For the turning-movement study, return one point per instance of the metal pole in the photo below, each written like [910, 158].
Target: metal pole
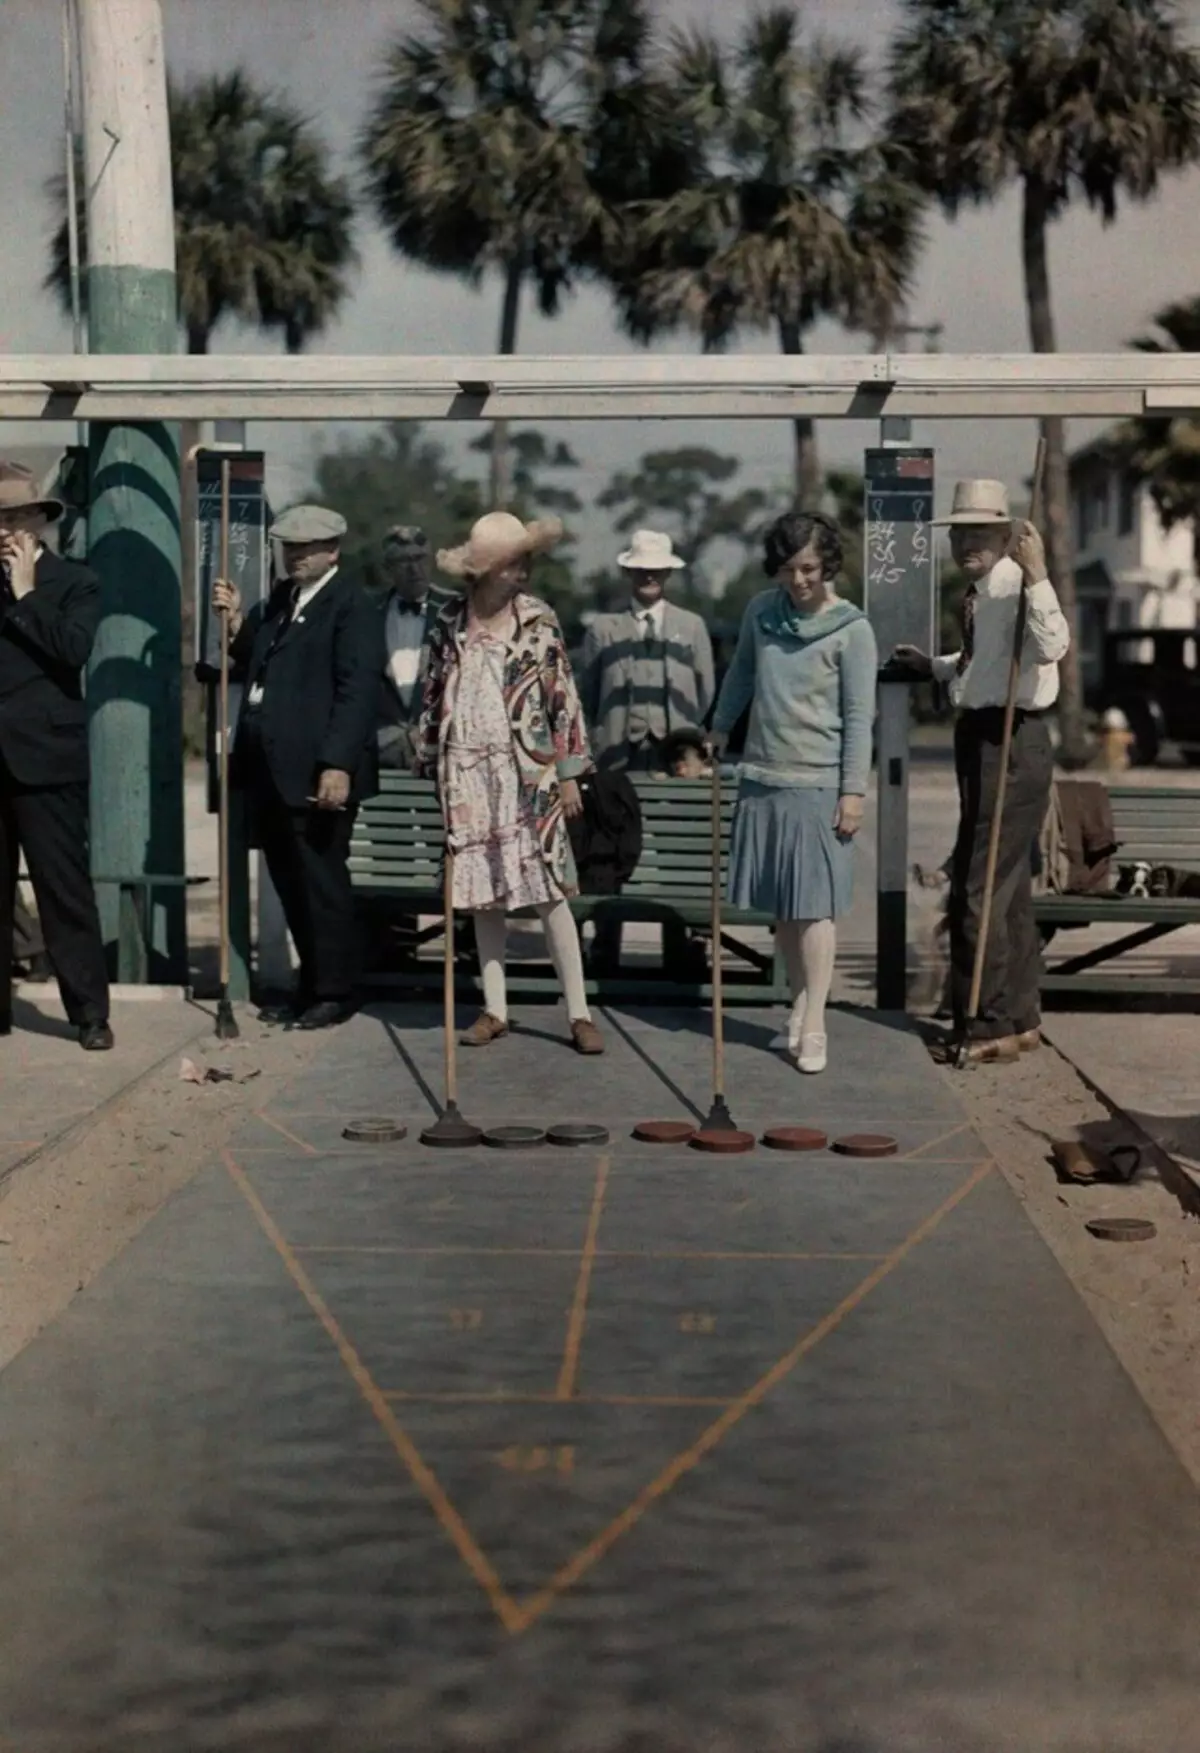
[133, 523]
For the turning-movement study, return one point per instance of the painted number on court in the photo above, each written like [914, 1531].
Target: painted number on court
[697, 1323]
[519, 1459]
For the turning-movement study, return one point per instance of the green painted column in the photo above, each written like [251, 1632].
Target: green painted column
[134, 675]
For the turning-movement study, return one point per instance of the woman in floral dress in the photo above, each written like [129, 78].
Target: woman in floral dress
[502, 732]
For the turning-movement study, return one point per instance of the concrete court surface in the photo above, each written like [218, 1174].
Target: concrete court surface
[610, 1451]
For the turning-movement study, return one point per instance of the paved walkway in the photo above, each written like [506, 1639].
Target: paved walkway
[359, 1448]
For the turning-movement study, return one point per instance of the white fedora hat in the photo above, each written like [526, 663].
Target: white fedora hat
[650, 551]
[978, 502]
[496, 539]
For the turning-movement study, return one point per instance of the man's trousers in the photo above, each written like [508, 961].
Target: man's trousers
[50, 825]
[1009, 1002]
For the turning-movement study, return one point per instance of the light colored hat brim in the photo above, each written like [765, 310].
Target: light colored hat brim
[631, 561]
[979, 519]
[51, 509]
[468, 562]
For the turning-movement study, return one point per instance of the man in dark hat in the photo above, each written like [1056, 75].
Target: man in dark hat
[311, 658]
[49, 611]
[410, 611]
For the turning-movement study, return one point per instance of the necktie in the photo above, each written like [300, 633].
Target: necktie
[404, 607]
[967, 650]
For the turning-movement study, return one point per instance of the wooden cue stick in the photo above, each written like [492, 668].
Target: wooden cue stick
[448, 983]
[223, 769]
[718, 1022]
[1010, 706]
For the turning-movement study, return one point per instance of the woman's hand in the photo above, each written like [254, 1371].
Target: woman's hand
[847, 818]
[572, 799]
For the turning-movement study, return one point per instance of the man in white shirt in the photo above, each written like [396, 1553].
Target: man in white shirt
[999, 562]
[647, 670]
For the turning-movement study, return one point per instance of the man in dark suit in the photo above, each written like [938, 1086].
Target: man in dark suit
[310, 659]
[410, 610]
[49, 610]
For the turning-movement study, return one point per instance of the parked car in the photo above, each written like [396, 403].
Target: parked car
[1152, 675]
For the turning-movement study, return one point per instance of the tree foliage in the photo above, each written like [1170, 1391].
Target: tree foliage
[790, 213]
[505, 138]
[263, 227]
[1090, 100]
[689, 493]
[1163, 451]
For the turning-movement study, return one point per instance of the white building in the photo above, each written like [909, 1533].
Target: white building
[1129, 570]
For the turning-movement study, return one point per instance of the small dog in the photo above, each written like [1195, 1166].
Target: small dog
[1155, 882]
[929, 984]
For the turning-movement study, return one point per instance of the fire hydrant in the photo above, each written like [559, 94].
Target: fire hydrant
[1116, 740]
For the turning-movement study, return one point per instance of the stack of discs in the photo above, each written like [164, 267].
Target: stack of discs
[514, 1137]
[865, 1144]
[374, 1131]
[719, 1141]
[575, 1134]
[795, 1138]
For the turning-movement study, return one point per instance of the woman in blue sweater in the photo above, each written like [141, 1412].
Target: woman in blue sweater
[805, 664]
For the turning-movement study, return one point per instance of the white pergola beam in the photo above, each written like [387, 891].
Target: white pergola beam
[621, 387]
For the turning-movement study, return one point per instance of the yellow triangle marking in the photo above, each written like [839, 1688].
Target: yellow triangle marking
[517, 1616]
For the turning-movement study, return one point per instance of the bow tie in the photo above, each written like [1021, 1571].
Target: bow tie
[403, 606]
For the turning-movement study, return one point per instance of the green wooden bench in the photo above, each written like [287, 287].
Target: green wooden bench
[395, 867]
[1159, 826]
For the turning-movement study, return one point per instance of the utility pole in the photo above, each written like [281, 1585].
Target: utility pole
[133, 524]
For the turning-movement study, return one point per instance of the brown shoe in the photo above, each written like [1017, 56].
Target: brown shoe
[483, 1031]
[586, 1037]
[1029, 1040]
[1002, 1051]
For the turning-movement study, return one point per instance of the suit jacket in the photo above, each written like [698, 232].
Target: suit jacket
[397, 729]
[45, 641]
[321, 692]
[618, 679]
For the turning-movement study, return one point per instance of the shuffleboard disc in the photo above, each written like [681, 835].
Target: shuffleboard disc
[374, 1131]
[865, 1144]
[794, 1138]
[664, 1131]
[514, 1137]
[722, 1143]
[1121, 1229]
[572, 1132]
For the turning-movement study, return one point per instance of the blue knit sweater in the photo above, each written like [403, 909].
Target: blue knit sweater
[810, 682]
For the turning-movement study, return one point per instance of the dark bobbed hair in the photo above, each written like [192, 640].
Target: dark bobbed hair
[790, 534]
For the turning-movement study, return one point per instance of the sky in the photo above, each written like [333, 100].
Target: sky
[326, 58]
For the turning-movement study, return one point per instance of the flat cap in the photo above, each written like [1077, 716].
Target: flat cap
[308, 523]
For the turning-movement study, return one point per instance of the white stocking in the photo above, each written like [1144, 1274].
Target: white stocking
[562, 940]
[491, 936]
[818, 946]
[808, 947]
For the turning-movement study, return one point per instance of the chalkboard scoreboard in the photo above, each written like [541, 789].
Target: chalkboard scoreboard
[899, 576]
[249, 554]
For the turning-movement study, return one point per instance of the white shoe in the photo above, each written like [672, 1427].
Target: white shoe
[813, 1056]
[790, 1042]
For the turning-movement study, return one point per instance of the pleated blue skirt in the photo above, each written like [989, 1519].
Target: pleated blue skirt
[785, 858]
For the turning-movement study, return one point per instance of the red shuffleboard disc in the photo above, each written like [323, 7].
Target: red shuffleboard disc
[722, 1143]
[663, 1131]
[865, 1144]
[794, 1138]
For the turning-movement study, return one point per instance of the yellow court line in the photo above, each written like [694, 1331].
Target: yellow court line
[577, 1567]
[400, 1251]
[278, 1126]
[426, 1481]
[569, 1372]
[502, 1398]
[933, 1143]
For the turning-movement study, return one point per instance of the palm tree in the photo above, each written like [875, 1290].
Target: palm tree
[1090, 99]
[263, 228]
[1163, 451]
[790, 213]
[504, 139]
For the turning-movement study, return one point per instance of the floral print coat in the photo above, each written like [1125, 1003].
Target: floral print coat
[550, 741]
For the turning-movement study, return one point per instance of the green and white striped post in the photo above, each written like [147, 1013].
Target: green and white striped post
[134, 524]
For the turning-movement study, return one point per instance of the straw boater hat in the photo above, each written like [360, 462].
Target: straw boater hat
[650, 551]
[497, 539]
[19, 491]
[978, 502]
